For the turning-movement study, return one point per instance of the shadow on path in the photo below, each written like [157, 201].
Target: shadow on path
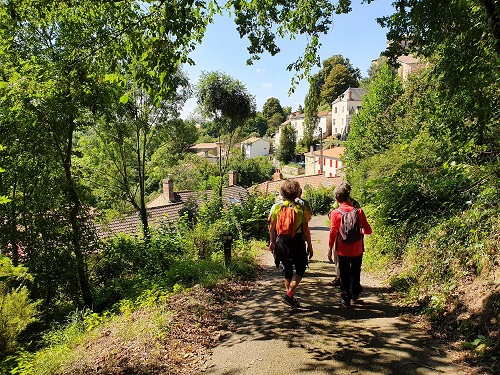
[323, 337]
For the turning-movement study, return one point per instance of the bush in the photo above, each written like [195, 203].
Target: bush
[250, 218]
[16, 309]
[320, 199]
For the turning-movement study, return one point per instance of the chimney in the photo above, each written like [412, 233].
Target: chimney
[311, 149]
[277, 175]
[349, 94]
[168, 188]
[233, 178]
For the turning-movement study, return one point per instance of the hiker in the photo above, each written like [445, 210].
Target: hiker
[349, 249]
[287, 243]
[307, 206]
[335, 260]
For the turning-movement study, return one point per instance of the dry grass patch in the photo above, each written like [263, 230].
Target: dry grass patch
[171, 338]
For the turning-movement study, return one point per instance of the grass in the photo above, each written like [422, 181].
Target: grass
[166, 328]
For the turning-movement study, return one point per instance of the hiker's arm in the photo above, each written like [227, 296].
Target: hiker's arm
[333, 236]
[272, 234]
[307, 233]
[365, 227]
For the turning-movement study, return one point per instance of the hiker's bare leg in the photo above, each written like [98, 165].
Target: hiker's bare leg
[287, 284]
[294, 284]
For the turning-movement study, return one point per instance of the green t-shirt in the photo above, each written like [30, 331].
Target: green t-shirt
[302, 215]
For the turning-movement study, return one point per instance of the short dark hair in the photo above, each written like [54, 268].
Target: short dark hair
[290, 190]
[342, 192]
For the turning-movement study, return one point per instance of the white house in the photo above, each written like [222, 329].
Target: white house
[255, 146]
[328, 160]
[344, 108]
[297, 121]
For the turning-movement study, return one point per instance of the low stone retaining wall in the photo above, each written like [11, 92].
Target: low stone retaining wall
[293, 170]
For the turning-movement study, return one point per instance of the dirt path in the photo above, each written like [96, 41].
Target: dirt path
[322, 337]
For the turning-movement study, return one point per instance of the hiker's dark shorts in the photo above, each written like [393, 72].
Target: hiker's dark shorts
[293, 252]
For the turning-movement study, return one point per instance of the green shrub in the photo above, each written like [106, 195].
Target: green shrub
[16, 309]
[320, 199]
[250, 218]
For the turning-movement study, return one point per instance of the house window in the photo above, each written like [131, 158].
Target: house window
[335, 111]
[336, 164]
[336, 131]
[319, 171]
[331, 174]
[331, 162]
[324, 161]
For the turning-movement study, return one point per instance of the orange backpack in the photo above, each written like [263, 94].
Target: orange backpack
[286, 226]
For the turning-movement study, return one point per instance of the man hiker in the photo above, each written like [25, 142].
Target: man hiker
[348, 225]
[288, 222]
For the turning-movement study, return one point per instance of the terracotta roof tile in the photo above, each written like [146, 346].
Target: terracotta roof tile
[334, 152]
[313, 181]
[166, 213]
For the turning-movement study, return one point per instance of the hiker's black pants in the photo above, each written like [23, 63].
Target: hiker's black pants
[292, 252]
[350, 274]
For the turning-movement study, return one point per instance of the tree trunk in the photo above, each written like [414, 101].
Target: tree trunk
[13, 229]
[73, 218]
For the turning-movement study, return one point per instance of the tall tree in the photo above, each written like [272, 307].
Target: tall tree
[373, 129]
[271, 107]
[288, 141]
[257, 124]
[126, 139]
[227, 103]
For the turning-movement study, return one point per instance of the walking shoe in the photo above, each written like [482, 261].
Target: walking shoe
[355, 299]
[344, 303]
[292, 301]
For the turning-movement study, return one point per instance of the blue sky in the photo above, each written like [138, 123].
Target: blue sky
[356, 36]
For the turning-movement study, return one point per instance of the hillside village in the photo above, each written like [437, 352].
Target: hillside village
[319, 167]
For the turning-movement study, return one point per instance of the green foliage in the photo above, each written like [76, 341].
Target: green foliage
[251, 171]
[225, 101]
[272, 107]
[273, 124]
[320, 199]
[251, 216]
[373, 130]
[288, 141]
[17, 311]
[257, 124]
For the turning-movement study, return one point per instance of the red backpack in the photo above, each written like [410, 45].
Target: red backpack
[286, 224]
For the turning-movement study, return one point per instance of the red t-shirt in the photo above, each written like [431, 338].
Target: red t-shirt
[347, 249]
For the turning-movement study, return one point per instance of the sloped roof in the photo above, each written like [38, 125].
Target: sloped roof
[323, 113]
[334, 152]
[314, 181]
[408, 59]
[161, 200]
[254, 139]
[356, 95]
[168, 212]
[201, 146]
